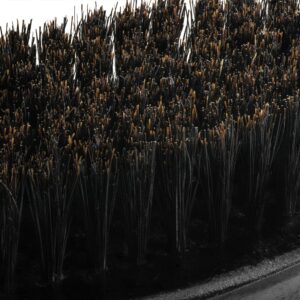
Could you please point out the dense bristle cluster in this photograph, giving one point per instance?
(121, 122)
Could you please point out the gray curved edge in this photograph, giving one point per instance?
(226, 283)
